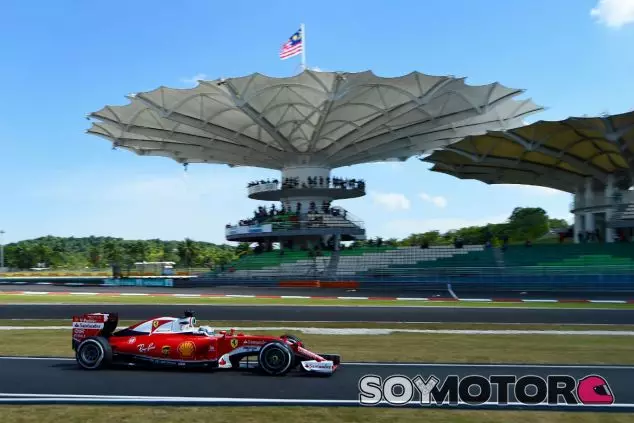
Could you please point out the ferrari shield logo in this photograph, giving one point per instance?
(155, 324)
(234, 343)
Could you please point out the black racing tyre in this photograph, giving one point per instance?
(276, 358)
(94, 353)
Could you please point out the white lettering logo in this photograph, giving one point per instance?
(144, 349)
(87, 325)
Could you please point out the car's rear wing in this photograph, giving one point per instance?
(93, 324)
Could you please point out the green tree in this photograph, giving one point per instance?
(528, 223)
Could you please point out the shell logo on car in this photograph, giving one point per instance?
(186, 349)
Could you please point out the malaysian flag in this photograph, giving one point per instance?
(293, 46)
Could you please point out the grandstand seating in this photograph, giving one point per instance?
(372, 262)
(358, 261)
(624, 213)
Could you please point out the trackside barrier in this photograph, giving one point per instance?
(167, 283)
(461, 279)
(299, 284)
(320, 284)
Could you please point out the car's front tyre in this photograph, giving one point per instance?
(276, 358)
(94, 353)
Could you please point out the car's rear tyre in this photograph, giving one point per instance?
(94, 353)
(276, 358)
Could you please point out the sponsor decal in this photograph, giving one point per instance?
(155, 324)
(212, 348)
(254, 342)
(234, 343)
(318, 365)
(132, 340)
(88, 325)
(477, 390)
(186, 349)
(144, 349)
(165, 351)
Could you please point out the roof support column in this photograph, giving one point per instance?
(589, 200)
(609, 193)
(578, 201)
(577, 227)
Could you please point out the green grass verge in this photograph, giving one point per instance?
(386, 325)
(139, 414)
(116, 299)
(432, 348)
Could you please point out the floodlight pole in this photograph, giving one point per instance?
(303, 31)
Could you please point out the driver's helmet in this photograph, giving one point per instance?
(207, 330)
(187, 323)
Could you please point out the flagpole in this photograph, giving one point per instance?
(303, 29)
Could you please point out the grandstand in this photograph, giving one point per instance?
(371, 262)
(310, 124)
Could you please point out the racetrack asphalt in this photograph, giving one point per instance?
(383, 291)
(55, 380)
(328, 313)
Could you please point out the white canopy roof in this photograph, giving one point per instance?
(319, 118)
(555, 154)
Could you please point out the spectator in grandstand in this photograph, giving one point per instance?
(313, 182)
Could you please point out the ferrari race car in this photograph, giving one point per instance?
(178, 342)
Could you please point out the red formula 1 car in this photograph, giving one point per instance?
(178, 342)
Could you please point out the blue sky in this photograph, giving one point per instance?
(64, 59)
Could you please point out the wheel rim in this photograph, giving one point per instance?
(90, 354)
(275, 359)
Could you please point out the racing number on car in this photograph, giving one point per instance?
(234, 343)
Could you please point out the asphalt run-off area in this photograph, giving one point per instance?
(447, 292)
(21, 378)
(281, 313)
(21, 382)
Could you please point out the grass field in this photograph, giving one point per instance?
(432, 348)
(410, 347)
(105, 299)
(137, 414)
(220, 325)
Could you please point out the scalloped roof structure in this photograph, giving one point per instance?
(327, 119)
(554, 154)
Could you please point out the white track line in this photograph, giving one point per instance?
(608, 301)
(10, 397)
(384, 364)
(386, 331)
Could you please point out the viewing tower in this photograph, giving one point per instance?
(306, 126)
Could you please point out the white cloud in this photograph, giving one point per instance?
(194, 79)
(400, 228)
(390, 201)
(614, 13)
(438, 201)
